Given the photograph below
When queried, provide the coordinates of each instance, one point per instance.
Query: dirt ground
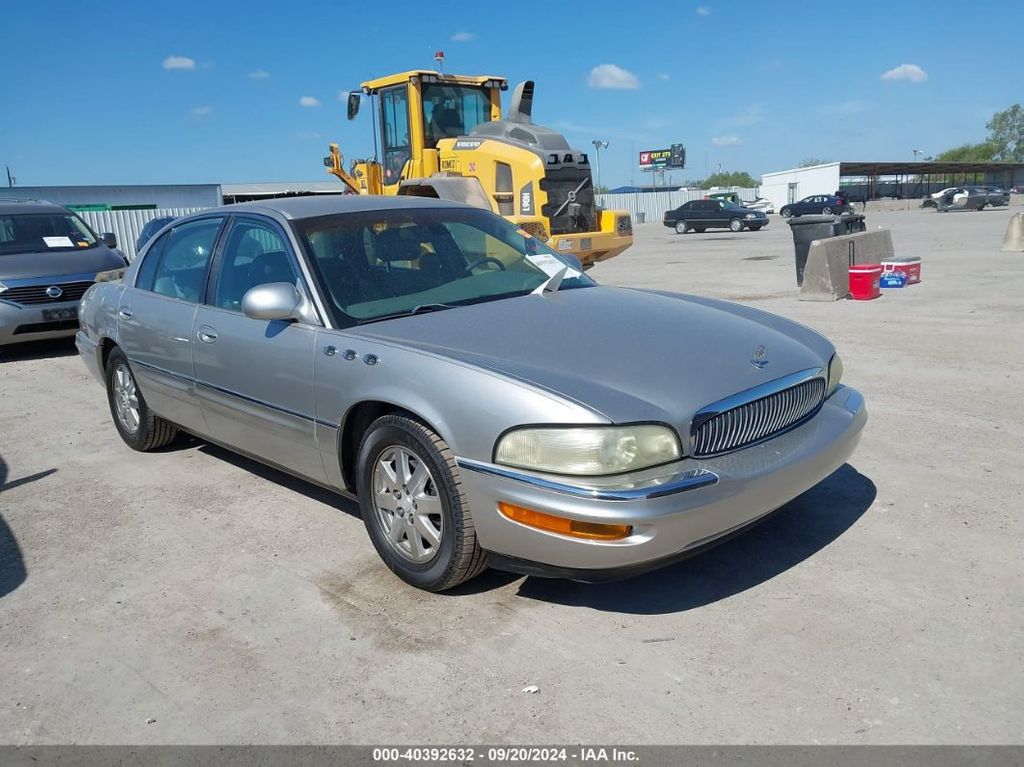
(229, 603)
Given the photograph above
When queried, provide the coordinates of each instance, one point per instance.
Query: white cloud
(203, 111)
(179, 62)
(726, 141)
(259, 74)
(308, 135)
(703, 10)
(612, 76)
(663, 76)
(309, 101)
(911, 72)
(463, 37)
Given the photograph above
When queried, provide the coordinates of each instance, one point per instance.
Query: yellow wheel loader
(443, 136)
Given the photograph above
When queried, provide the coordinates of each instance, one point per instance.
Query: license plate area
(64, 313)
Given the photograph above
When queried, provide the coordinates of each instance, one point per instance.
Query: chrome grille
(756, 420)
(36, 294)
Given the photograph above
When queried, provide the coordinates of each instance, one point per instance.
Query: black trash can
(849, 223)
(807, 229)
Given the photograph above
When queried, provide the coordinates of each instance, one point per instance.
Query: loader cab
(417, 109)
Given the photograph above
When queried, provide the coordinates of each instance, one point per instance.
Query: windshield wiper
(419, 309)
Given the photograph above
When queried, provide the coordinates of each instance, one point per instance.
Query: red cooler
(909, 265)
(864, 279)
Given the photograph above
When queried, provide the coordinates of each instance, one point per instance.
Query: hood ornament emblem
(54, 292)
(760, 358)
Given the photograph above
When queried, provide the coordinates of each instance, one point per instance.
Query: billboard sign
(661, 159)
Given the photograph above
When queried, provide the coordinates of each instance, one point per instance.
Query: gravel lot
(231, 603)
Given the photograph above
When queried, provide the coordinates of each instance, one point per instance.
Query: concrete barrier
(1013, 242)
(827, 274)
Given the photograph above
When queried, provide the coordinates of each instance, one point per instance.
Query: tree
(812, 161)
(983, 152)
(1006, 134)
(736, 178)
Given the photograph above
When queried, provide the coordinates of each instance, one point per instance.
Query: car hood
(629, 355)
(17, 266)
(746, 210)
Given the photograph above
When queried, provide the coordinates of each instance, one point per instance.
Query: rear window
(43, 232)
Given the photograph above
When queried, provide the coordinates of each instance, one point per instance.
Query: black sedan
(698, 215)
(816, 204)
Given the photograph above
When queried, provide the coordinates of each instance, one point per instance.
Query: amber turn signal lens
(563, 526)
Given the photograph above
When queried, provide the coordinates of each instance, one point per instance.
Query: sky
(190, 92)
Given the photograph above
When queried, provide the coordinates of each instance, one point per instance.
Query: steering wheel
(483, 261)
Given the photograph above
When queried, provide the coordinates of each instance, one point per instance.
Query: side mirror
(353, 104)
(109, 239)
(273, 301)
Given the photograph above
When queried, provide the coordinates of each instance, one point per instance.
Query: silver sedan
(484, 399)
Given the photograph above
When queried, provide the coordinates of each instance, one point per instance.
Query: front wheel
(139, 427)
(413, 505)
(785, 212)
(735, 225)
(681, 227)
(826, 210)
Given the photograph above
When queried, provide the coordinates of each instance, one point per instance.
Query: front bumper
(674, 511)
(21, 323)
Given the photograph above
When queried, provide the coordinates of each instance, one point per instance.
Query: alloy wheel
(126, 398)
(407, 505)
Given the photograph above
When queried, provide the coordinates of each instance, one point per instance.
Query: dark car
(151, 228)
(49, 257)
(698, 215)
(816, 204)
(997, 196)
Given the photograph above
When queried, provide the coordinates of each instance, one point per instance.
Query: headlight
(835, 374)
(112, 275)
(750, 215)
(589, 451)
(2, 287)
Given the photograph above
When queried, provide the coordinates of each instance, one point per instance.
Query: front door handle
(124, 314)
(207, 334)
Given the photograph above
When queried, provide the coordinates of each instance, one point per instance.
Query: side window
(254, 255)
(181, 270)
(394, 107)
(149, 263)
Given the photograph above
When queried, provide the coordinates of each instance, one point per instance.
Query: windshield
(452, 110)
(41, 232)
(380, 264)
(729, 204)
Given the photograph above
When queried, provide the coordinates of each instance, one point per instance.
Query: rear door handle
(207, 334)
(124, 314)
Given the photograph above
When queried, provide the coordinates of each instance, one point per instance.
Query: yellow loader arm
(335, 166)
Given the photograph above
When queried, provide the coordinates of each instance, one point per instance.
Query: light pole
(598, 146)
(916, 153)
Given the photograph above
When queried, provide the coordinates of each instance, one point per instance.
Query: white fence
(127, 224)
(651, 206)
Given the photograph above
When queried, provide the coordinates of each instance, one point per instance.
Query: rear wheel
(139, 427)
(735, 225)
(786, 212)
(682, 227)
(413, 506)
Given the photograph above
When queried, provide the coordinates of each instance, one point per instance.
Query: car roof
(326, 205)
(10, 205)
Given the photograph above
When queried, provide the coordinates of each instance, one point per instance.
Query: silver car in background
(49, 257)
(486, 401)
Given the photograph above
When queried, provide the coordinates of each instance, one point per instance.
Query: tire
(785, 212)
(735, 225)
(383, 478)
(826, 211)
(139, 427)
(681, 227)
